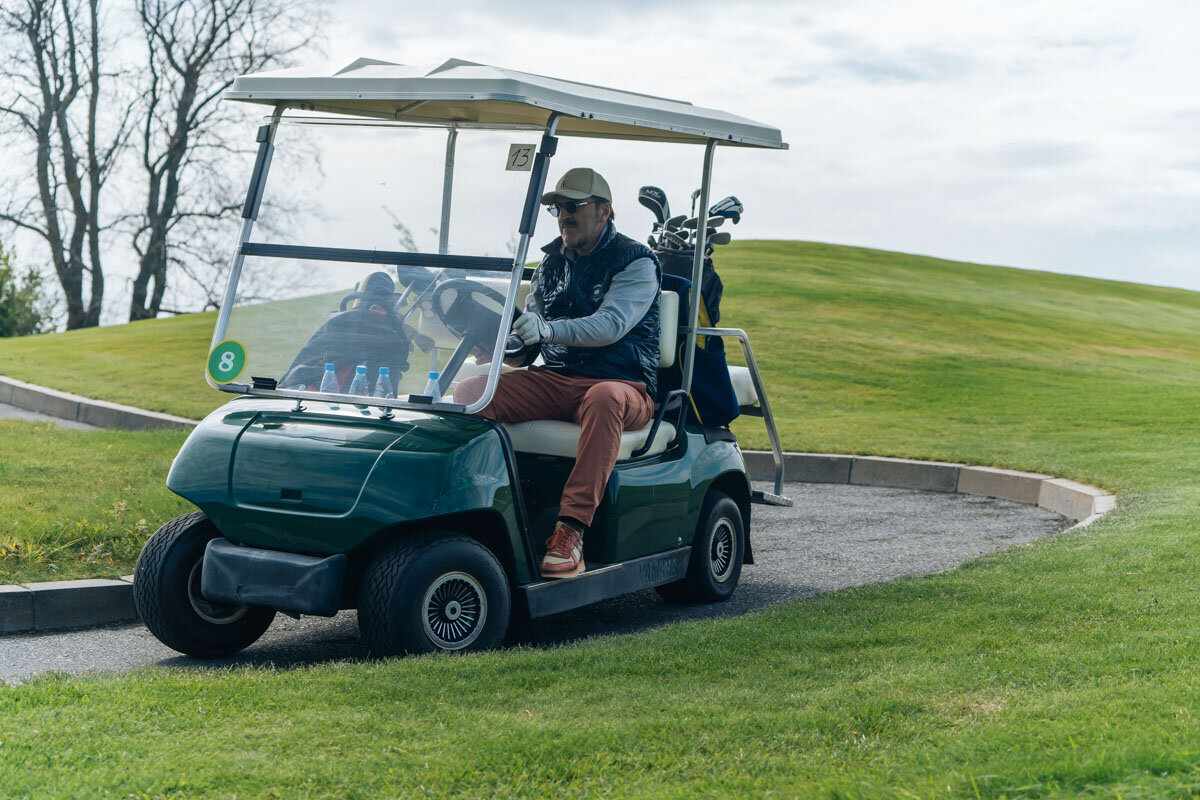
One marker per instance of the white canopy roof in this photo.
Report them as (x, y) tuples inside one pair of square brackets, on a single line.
[(470, 94)]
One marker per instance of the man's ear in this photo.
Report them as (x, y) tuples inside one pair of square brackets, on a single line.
[(606, 209)]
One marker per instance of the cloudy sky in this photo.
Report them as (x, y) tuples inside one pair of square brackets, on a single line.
[(1062, 136)]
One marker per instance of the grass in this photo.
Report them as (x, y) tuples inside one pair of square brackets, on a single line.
[(1064, 669), (80, 504)]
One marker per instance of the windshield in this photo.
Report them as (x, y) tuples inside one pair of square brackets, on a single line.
[(353, 284)]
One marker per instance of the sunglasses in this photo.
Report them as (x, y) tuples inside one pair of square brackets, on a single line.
[(569, 206)]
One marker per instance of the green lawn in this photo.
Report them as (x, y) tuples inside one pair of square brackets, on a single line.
[(1065, 669), (80, 504)]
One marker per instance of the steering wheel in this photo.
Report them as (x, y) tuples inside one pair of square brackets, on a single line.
[(469, 310)]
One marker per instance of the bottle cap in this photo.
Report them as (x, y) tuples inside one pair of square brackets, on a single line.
[(361, 368), (329, 367), (433, 373), (384, 371)]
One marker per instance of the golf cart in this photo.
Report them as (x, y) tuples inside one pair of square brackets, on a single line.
[(344, 475)]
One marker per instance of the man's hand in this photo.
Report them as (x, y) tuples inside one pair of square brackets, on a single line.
[(531, 328)]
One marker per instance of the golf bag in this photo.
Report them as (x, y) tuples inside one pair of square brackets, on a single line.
[(366, 330), (714, 403), (679, 264)]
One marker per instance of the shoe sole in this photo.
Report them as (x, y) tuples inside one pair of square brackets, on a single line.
[(573, 574)]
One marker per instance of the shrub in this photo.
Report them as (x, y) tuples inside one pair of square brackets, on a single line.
[(24, 310)]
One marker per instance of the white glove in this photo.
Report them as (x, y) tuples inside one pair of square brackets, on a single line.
[(531, 328)]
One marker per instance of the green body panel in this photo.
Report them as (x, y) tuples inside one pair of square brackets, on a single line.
[(326, 479), (649, 506)]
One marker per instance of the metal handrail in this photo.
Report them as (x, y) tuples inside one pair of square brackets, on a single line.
[(768, 418)]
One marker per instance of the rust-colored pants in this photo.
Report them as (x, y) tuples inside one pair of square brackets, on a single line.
[(602, 408)]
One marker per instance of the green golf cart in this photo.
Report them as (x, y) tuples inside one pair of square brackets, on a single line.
[(343, 475)]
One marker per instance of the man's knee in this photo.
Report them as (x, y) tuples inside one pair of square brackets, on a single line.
[(606, 400), (470, 390)]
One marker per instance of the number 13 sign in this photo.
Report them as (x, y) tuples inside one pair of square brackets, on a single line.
[(520, 157)]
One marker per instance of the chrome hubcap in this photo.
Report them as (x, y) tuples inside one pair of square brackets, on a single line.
[(207, 610), (454, 610), (724, 547)]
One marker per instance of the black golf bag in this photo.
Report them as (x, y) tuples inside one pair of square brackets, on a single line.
[(679, 264), (714, 403), (366, 330)]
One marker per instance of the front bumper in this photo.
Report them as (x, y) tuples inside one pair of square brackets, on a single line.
[(288, 582)]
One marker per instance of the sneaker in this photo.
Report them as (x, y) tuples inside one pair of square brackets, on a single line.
[(564, 553)]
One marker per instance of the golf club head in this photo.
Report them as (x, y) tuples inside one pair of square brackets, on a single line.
[(713, 222), (719, 238), (674, 222), (675, 239), (690, 223), (695, 194), (729, 207), (655, 199)]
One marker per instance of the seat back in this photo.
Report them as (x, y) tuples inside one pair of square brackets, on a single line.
[(668, 327)]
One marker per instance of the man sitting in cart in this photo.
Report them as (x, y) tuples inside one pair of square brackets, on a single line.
[(592, 313)]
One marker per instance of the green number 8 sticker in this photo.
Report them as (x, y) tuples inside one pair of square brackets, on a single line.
[(226, 361)]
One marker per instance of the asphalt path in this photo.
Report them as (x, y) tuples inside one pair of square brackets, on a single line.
[(835, 536)]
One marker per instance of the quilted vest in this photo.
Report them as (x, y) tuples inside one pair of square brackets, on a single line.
[(575, 289)]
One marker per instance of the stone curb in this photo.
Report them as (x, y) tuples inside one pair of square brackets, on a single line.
[(102, 414), (1076, 501), (56, 605)]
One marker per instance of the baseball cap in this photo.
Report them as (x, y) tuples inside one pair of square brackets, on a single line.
[(578, 184)]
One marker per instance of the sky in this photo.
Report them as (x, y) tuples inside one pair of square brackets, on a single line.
[(1061, 136)]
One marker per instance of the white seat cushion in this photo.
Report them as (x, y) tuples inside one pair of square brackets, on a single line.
[(743, 386), (552, 437), (668, 324)]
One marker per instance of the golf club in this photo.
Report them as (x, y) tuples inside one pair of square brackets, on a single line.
[(655, 199), (729, 207)]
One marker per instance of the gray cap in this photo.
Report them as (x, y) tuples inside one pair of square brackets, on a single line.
[(579, 183)]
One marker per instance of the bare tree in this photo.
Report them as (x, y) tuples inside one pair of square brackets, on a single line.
[(195, 49), (52, 69)]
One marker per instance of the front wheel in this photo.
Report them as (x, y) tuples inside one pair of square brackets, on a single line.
[(717, 552), (439, 592), (166, 593)]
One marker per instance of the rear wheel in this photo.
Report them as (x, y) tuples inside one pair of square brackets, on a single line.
[(717, 552), (440, 592), (166, 593)]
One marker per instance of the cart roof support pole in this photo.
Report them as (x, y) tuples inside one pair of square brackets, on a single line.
[(447, 190), (694, 296), (533, 195), (258, 181)]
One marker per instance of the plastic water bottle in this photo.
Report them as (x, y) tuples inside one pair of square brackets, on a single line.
[(432, 389), (329, 381), (383, 384), (359, 384)]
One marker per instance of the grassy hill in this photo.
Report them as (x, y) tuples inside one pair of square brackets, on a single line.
[(1064, 669)]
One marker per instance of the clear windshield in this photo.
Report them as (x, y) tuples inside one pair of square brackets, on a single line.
[(351, 287)]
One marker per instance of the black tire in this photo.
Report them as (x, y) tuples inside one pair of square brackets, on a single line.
[(438, 592), (717, 552), (166, 593)]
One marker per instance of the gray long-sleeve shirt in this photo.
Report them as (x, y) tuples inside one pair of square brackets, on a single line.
[(627, 300)]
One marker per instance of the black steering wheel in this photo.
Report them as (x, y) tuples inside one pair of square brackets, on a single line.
[(469, 310)]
